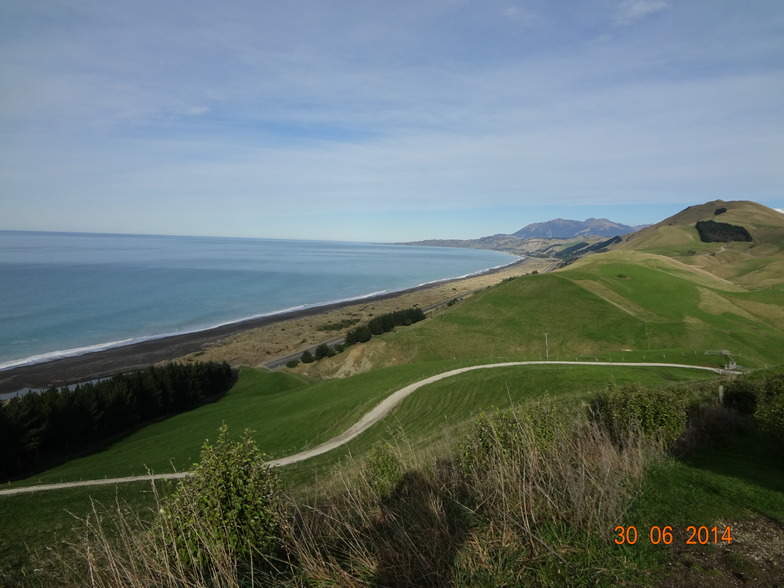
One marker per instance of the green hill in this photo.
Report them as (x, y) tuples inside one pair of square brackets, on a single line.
[(660, 291), (758, 264), (661, 295)]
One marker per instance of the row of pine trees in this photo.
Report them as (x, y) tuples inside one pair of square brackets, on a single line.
[(38, 428)]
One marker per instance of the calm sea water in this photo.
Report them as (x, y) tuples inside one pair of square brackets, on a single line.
[(70, 293)]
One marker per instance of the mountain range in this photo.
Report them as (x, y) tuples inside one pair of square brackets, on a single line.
[(560, 228), (544, 239)]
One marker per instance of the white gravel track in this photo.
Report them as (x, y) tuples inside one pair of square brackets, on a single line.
[(381, 410)]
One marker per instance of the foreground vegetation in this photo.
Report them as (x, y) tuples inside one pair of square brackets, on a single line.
[(570, 475), (529, 496), (289, 414)]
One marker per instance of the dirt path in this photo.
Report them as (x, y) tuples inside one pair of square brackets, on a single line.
[(381, 410)]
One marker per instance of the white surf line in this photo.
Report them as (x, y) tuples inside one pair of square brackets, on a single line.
[(381, 410)]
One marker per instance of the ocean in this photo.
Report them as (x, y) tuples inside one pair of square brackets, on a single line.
[(64, 294)]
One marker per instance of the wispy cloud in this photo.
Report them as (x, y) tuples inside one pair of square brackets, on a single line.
[(283, 109), (630, 11)]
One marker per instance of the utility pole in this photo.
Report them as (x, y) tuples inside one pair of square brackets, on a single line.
[(546, 347)]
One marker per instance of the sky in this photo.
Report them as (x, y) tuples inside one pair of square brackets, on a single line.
[(383, 121)]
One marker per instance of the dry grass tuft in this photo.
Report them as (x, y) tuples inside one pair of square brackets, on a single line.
[(522, 501)]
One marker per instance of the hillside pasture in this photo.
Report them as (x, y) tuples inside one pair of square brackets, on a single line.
[(596, 307)]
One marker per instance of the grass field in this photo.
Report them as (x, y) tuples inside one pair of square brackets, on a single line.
[(590, 311), (671, 302), (740, 485), (288, 414), (33, 523), (435, 416)]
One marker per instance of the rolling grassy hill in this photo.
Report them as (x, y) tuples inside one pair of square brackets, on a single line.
[(756, 265), (289, 414), (661, 290), (660, 295)]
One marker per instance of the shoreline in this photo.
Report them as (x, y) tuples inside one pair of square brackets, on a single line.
[(285, 313), (190, 346)]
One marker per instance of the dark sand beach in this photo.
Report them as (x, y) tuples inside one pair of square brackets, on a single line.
[(253, 342)]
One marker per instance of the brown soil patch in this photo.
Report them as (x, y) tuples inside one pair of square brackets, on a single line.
[(754, 558)]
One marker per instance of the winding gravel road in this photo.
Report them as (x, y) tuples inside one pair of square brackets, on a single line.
[(381, 410)]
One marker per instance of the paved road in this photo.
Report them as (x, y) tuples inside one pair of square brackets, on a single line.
[(381, 410)]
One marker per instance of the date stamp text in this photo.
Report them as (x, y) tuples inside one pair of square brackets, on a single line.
[(665, 535)]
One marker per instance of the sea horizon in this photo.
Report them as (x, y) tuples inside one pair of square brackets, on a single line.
[(67, 294)]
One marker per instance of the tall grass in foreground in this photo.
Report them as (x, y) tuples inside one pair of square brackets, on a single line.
[(524, 499), (222, 526)]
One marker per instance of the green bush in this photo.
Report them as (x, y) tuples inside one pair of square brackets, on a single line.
[(495, 437), (384, 468), (306, 357), (770, 409), (657, 413), (358, 335), (232, 504), (323, 351), (742, 395)]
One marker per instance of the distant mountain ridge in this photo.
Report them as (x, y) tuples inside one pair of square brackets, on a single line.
[(560, 228), (547, 239)]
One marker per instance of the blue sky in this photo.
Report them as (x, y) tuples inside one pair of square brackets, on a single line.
[(383, 121)]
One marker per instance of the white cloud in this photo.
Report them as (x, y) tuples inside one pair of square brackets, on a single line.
[(437, 105), (631, 11)]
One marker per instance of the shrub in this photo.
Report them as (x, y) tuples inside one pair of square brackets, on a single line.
[(658, 413), (770, 410), (384, 468), (292, 363), (742, 395), (307, 357), (232, 503), (539, 483), (495, 437), (344, 324), (323, 351), (221, 527)]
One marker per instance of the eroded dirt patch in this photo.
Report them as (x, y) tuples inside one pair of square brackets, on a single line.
[(755, 557)]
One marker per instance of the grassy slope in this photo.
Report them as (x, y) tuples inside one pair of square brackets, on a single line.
[(587, 310), (32, 523), (435, 414), (739, 484), (667, 305), (756, 265), (287, 413)]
